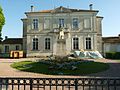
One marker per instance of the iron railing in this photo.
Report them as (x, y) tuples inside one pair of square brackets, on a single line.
[(59, 83)]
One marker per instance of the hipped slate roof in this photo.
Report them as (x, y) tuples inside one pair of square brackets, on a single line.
[(12, 41), (111, 39), (62, 9)]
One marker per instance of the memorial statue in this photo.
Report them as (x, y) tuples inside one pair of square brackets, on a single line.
[(61, 33)]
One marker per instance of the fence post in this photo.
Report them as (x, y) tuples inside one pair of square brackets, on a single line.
[(76, 84), (6, 84), (0, 84), (31, 84)]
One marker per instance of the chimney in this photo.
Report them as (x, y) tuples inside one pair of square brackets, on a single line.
[(91, 6), (119, 36), (32, 8), (6, 37)]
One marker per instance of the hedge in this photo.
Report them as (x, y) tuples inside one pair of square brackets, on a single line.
[(4, 55), (113, 55)]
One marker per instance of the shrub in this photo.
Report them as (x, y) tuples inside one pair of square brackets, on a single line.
[(117, 55), (4, 55), (113, 55)]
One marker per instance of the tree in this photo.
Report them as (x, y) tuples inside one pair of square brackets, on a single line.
[(2, 21)]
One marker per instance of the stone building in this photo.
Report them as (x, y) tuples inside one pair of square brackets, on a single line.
[(111, 44), (61, 31), (11, 44)]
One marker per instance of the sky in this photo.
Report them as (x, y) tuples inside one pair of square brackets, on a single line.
[(14, 11)]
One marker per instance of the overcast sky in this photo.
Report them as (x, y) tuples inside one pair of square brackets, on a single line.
[(14, 11)]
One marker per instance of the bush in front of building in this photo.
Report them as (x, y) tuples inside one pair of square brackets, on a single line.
[(113, 55), (4, 55)]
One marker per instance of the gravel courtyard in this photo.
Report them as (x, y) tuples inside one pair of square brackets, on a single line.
[(7, 71)]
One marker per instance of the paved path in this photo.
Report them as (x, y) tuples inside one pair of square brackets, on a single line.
[(7, 71), (113, 71)]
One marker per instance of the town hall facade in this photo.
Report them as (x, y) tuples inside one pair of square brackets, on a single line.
[(61, 31)]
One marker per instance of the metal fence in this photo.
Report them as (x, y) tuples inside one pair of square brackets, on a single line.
[(59, 83)]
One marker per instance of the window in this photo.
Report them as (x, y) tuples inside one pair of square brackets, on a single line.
[(47, 43), (6, 49), (75, 43), (46, 23), (17, 47), (61, 22), (88, 43), (75, 22), (35, 43), (86, 23), (35, 23)]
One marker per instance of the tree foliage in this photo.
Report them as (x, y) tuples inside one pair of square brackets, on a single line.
[(2, 19)]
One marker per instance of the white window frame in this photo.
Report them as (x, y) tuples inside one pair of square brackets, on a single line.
[(35, 23), (61, 22), (88, 43), (76, 43), (35, 44), (46, 23), (47, 42), (75, 23), (87, 23)]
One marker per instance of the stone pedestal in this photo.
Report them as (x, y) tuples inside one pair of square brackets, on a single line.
[(61, 47)]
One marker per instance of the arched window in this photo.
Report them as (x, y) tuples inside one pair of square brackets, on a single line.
[(47, 43), (35, 43), (75, 43)]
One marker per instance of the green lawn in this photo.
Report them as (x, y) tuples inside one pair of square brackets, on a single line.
[(82, 68)]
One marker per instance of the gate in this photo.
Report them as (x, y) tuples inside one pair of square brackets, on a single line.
[(59, 83)]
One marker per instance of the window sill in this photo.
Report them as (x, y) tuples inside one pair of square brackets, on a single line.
[(88, 49), (35, 50), (47, 50), (87, 28), (75, 49), (35, 29), (75, 28), (47, 29)]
